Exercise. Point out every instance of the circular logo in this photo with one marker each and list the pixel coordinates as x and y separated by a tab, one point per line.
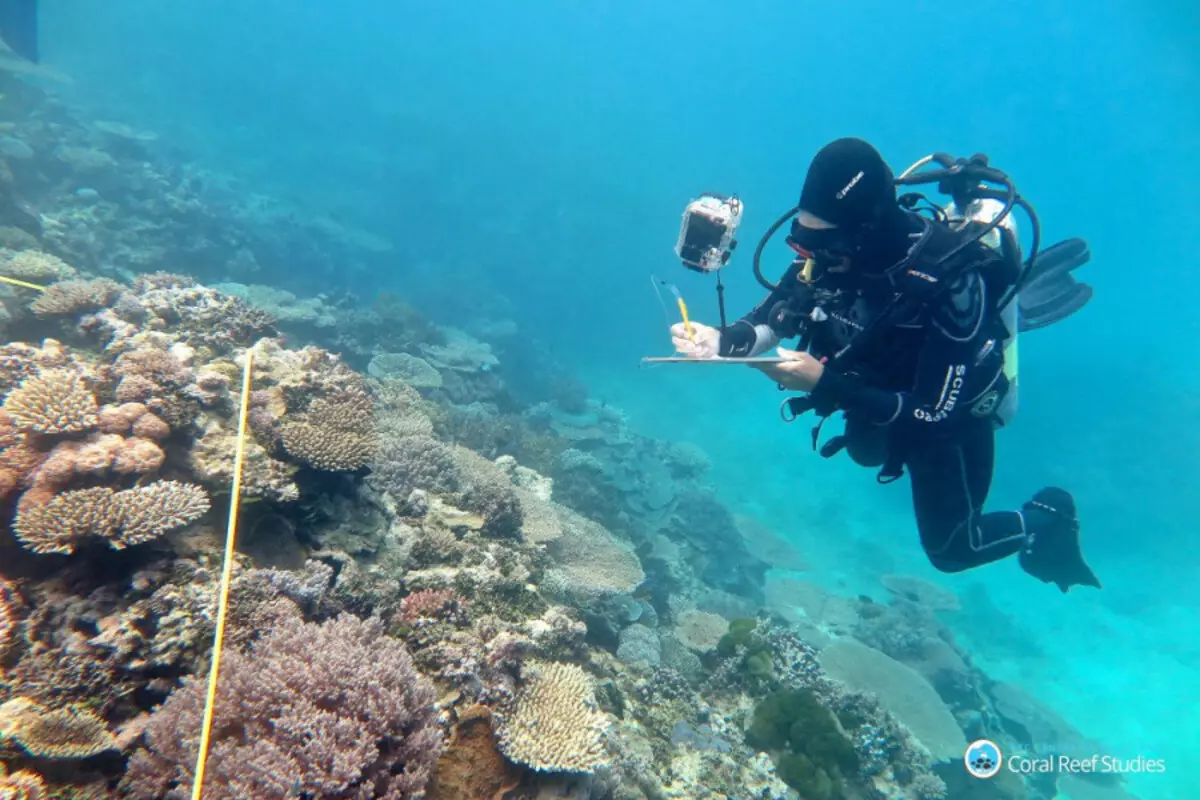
986	404
983	758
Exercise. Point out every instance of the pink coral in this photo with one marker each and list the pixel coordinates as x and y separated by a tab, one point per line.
150	426
324	711
138	457
432	604
97	455
119	419
133	388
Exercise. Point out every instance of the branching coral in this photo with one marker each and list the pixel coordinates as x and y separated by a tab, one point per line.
198	314
124	518
52	402
554	724
327	711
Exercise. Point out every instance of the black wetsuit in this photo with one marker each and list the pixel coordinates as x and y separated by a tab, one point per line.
921	394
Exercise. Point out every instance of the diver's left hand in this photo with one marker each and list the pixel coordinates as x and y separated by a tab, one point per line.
799	372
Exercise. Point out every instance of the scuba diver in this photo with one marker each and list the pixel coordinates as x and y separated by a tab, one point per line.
906	322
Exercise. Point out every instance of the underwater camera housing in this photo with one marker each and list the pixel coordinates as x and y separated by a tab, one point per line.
706	236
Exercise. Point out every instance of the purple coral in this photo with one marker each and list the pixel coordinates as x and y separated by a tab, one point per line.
321	711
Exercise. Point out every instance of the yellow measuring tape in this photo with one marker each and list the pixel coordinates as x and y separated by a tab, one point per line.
16	282
226	578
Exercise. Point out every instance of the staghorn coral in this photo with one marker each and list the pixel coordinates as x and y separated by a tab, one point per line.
124	518
72	298
51	402
553	724
18	461
431	604
336	433
327	711
68	732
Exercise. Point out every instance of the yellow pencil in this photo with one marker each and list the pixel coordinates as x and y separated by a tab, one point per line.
687	325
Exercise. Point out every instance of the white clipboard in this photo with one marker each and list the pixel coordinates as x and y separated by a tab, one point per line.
718	360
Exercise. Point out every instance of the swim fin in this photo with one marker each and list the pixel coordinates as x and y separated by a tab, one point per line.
19	27
1051	293
1053	554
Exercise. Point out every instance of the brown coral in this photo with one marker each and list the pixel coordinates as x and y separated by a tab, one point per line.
138	456
72	297
125	518
68	732
147	512
21	785
54	401
9	619
34	265
120	418
471	768
335	434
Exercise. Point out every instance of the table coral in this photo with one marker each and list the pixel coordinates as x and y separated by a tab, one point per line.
68	732
124	518
553	724
53	402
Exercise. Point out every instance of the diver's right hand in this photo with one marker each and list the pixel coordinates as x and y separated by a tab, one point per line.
705	342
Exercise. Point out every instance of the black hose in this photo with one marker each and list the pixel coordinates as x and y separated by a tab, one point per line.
762	243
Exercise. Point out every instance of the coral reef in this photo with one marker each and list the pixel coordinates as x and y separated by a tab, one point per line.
329	710
460	576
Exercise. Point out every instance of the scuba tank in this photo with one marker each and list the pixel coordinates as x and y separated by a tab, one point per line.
984	211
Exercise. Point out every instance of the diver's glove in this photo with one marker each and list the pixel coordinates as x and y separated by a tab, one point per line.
704	342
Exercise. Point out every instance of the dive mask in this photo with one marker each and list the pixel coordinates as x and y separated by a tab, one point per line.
824	248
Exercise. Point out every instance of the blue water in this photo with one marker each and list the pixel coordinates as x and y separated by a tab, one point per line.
530	160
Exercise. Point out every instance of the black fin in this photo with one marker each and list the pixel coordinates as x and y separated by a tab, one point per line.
1057	259
1054	555
1051	293
1053	304
19	27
